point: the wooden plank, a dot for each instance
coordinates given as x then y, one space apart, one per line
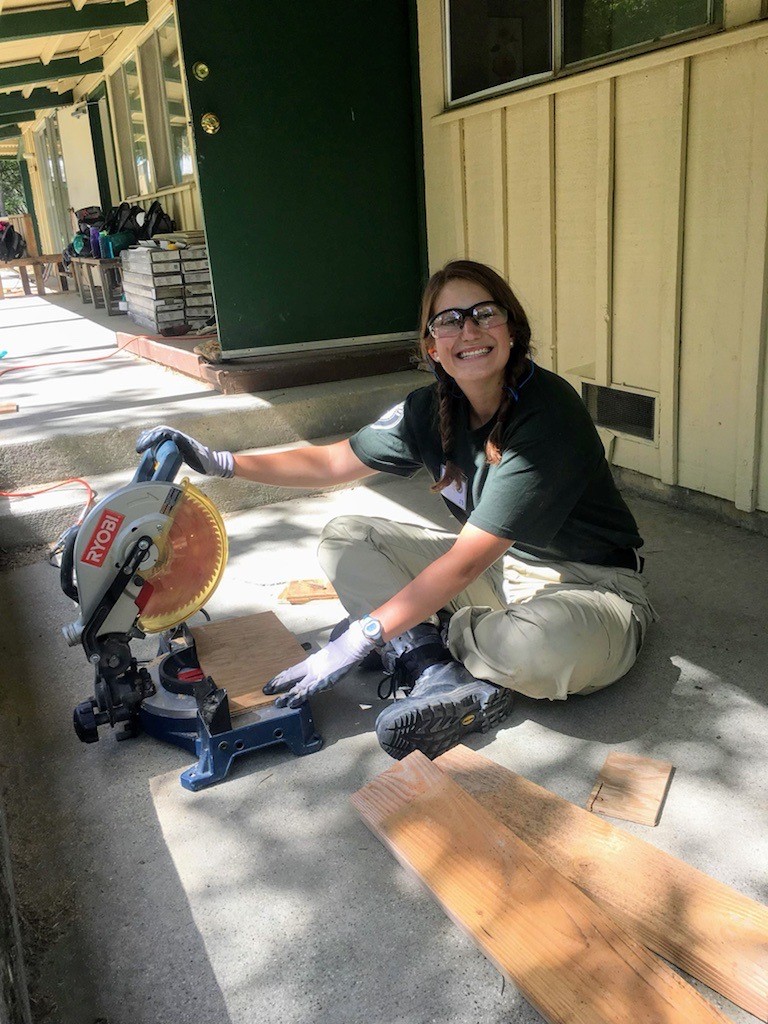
6 407
632 788
23 274
242 654
302 591
709 930
564 953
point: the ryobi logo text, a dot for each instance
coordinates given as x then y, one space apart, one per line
101 540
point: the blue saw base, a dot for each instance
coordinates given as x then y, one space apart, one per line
175 719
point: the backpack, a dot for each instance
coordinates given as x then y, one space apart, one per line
12 244
157 221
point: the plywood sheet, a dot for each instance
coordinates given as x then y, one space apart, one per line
632 788
566 955
712 932
242 654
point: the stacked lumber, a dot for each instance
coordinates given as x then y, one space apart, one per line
198 295
569 907
154 287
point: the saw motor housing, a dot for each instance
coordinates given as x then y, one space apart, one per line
139 563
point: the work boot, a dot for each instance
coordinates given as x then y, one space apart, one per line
446 702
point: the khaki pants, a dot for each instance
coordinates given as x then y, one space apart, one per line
545 629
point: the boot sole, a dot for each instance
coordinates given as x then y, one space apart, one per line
440 725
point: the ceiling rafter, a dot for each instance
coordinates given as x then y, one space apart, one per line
18 75
53 21
39 99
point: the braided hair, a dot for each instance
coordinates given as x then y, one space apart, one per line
448 392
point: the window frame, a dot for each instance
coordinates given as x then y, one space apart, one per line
715 25
122 128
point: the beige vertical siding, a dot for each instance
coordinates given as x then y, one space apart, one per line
530 213
724 253
628 207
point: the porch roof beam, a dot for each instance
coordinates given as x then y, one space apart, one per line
58 21
32 74
39 99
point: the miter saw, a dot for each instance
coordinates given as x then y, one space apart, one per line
144 560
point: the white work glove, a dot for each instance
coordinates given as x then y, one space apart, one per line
196 455
322 670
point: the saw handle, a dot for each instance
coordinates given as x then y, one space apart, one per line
161 463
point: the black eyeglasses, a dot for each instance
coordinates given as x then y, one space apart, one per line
449 323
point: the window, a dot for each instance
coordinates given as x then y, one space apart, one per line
50 162
495 45
150 113
131 130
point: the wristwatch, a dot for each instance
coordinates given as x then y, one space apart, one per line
372 630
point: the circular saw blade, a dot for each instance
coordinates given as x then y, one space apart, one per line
191 560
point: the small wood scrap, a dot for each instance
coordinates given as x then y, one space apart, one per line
8 407
632 788
302 591
242 654
569 957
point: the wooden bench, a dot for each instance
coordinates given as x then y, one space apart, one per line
106 290
36 263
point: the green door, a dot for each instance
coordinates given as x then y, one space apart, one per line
310 188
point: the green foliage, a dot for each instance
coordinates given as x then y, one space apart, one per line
12 188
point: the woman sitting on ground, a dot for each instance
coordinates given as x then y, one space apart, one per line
540 590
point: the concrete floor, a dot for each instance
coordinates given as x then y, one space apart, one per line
265 898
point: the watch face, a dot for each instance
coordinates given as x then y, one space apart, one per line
371 628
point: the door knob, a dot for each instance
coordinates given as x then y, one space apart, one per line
210 123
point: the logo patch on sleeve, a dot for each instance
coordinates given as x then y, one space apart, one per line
390 419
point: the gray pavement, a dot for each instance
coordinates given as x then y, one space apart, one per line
265 898
81 419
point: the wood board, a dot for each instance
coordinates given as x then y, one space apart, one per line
708 929
565 954
302 591
630 787
8 407
242 654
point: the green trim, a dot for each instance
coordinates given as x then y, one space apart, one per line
66 67
99 155
38 99
418 139
29 200
9 131
58 21
17 120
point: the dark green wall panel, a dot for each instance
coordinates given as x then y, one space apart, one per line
310 188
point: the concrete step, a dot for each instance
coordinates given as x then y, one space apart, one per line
39 520
53 442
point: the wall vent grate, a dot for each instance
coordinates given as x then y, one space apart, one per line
620 410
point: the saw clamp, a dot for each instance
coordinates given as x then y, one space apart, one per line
121 566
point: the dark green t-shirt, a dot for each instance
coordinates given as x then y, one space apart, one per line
552 493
